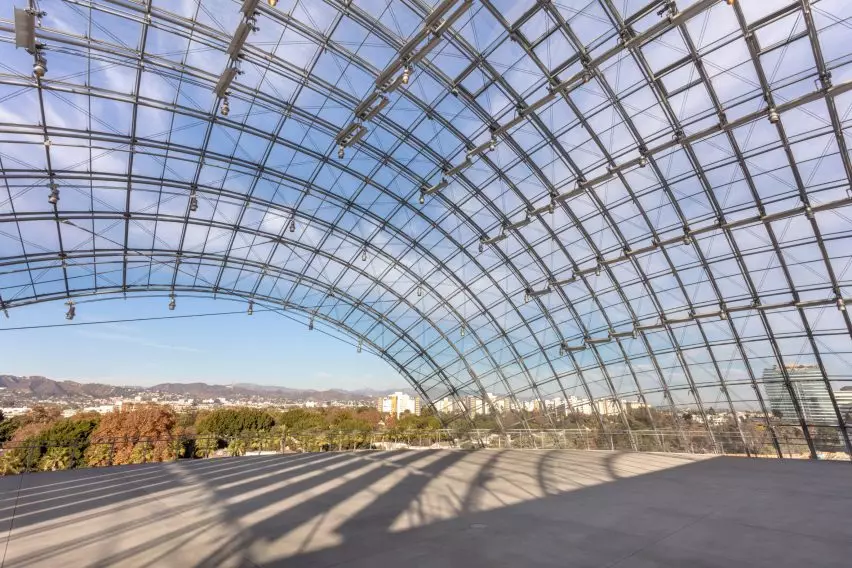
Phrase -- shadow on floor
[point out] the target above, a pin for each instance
(434, 508)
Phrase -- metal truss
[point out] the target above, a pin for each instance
(545, 213)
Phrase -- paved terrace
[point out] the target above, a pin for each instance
(435, 508)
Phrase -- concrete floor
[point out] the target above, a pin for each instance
(435, 509)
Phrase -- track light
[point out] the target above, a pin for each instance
(172, 303)
(406, 74)
(250, 310)
(72, 311)
(422, 199)
(340, 152)
(193, 202)
(40, 66)
(292, 225)
(364, 255)
(53, 197)
(841, 304)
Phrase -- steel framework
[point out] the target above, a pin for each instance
(534, 210)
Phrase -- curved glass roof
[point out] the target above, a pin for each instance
(621, 201)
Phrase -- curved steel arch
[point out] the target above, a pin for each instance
(624, 287)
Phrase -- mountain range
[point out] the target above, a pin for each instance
(43, 387)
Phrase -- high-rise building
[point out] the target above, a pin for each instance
(398, 403)
(809, 388)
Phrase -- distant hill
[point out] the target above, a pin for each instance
(42, 387)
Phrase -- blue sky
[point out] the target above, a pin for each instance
(265, 348)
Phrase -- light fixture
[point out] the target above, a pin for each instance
(562, 350)
(493, 144)
(250, 310)
(364, 255)
(225, 109)
(643, 161)
(809, 212)
(635, 333)
(193, 202)
(454, 91)
(292, 225)
(841, 304)
(340, 152)
(406, 74)
(463, 330)
(598, 269)
(419, 291)
(723, 312)
(422, 199)
(172, 302)
(53, 197)
(40, 66)
(359, 345)
(311, 324)
(481, 247)
(774, 117)
(272, 3)
(687, 239)
(526, 295)
(72, 311)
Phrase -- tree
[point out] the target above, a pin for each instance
(231, 422)
(56, 458)
(135, 434)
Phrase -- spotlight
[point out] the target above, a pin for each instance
(562, 350)
(635, 333)
(364, 255)
(481, 247)
(841, 304)
(193, 202)
(72, 311)
(272, 3)
(687, 239)
(454, 91)
(40, 66)
(723, 312)
(809, 212)
(598, 270)
(292, 225)
(340, 152)
(643, 161)
(422, 199)
(493, 144)
(225, 109)
(311, 325)
(250, 310)
(419, 291)
(359, 345)
(526, 295)
(172, 303)
(463, 330)
(406, 74)
(53, 198)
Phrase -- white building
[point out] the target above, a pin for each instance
(398, 403)
(809, 387)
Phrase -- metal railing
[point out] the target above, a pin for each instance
(32, 456)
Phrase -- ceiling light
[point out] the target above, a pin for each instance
(493, 144)
(272, 3)
(53, 197)
(723, 312)
(773, 115)
(562, 350)
(422, 199)
(72, 311)
(809, 212)
(193, 202)
(598, 269)
(40, 66)
(406, 74)
(364, 255)
(340, 152)
(643, 161)
(419, 291)
(292, 225)
(225, 109)
(250, 310)
(172, 302)
(360, 341)
(311, 324)
(841, 304)
(463, 330)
